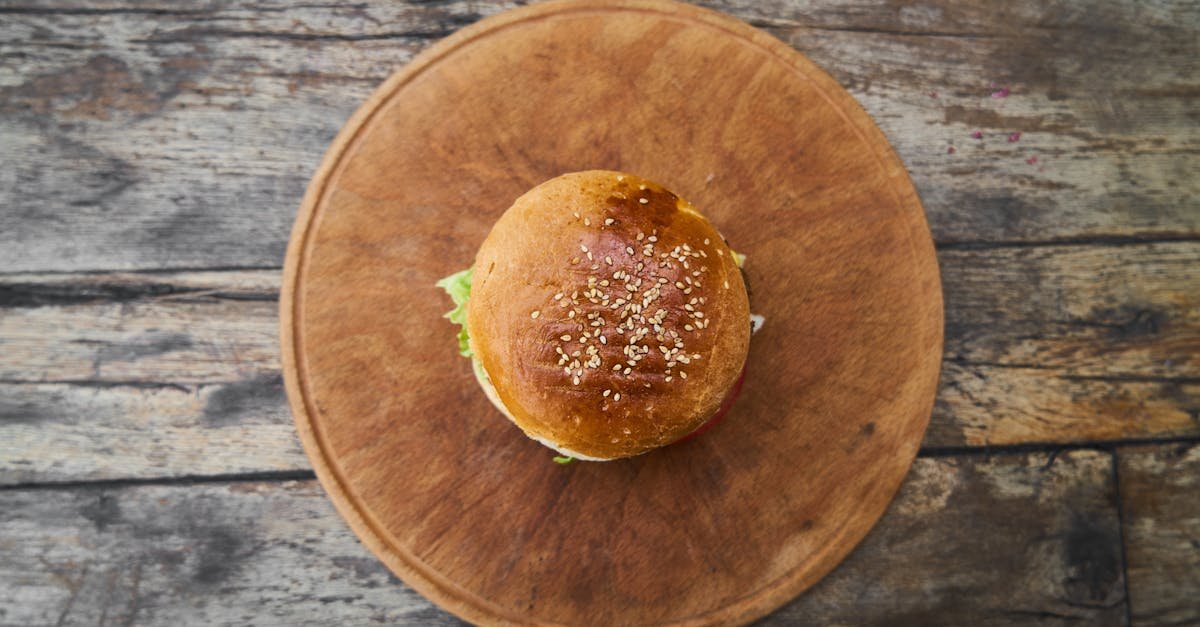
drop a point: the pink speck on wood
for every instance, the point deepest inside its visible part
(933, 94)
(1015, 137)
(949, 150)
(977, 134)
(1032, 160)
(1001, 93)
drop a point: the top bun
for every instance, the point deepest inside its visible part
(609, 315)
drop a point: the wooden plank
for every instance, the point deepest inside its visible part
(1017, 540)
(76, 432)
(1061, 344)
(1159, 486)
(1086, 311)
(81, 431)
(239, 553)
(1044, 344)
(168, 328)
(226, 554)
(1076, 311)
(984, 405)
(145, 135)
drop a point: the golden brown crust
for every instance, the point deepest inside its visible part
(609, 314)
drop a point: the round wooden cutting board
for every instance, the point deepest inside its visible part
(719, 529)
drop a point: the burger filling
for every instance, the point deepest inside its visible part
(458, 286)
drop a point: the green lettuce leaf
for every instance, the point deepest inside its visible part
(458, 286)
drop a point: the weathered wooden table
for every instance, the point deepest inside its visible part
(153, 155)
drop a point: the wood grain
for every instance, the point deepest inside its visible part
(1038, 311)
(190, 328)
(1090, 311)
(147, 135)
(183, 137)
(1042, 533)
(788, 166)
(277, 553)
(1100, 311)
(79, 432)
(1159, 489)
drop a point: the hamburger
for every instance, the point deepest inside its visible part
(605, 316)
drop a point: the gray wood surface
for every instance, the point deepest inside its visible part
(276, 553)
(153, 154)
(149, 135)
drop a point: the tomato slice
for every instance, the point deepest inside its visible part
(722, 410)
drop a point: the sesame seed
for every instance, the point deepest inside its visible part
(642, 187)
(575, 381)
(669, 379)
(620, 178)
(608, 260)
(652, 239)
(535, 314)
(679, 284)
(576, 214)
(603, 340)
(706, 241)
(558, 296)
(629, 250)
(643, 200)
(565, 338)
(609, 222)
(571, 314)
(617, 396)
(587, 222)
(641, 236)
(682, 374)
(589, 256)
(626, 371)
(583, 248)
(686, 327)
(607, 392)
(727, 285)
